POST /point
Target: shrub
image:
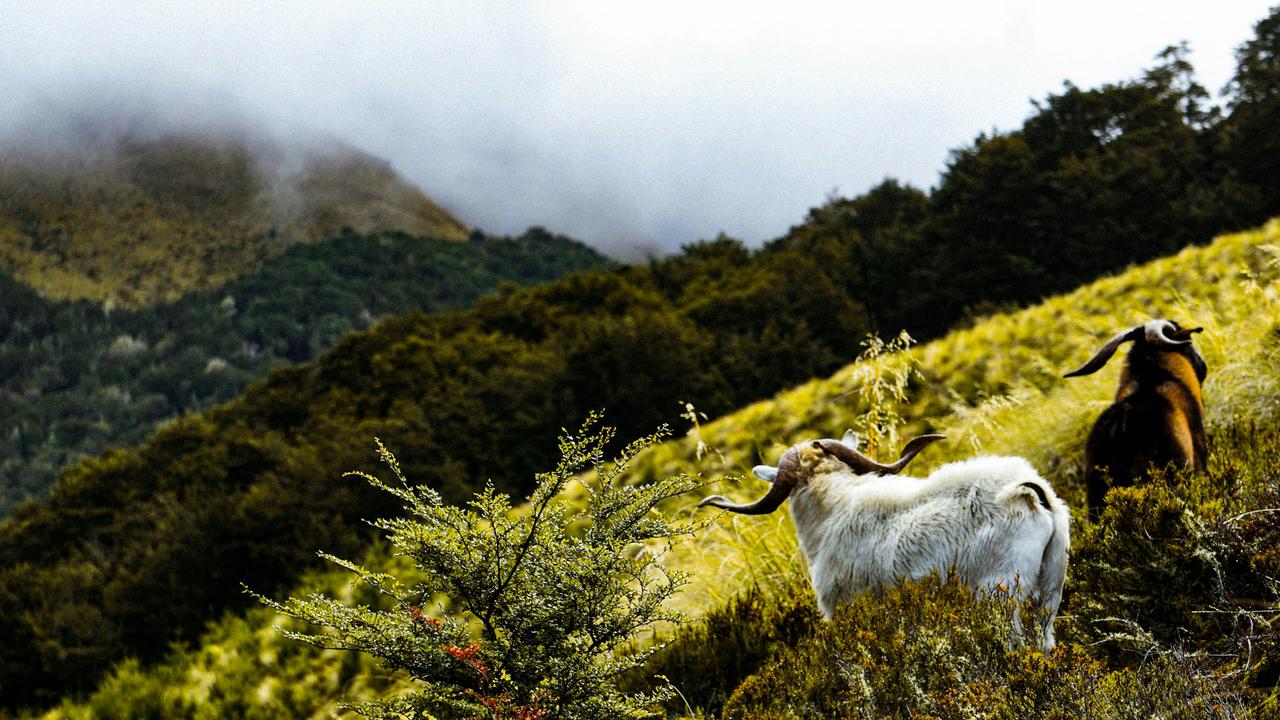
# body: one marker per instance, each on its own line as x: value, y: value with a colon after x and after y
x: 706, y: 660
x: 1069, y: 684
x: 883, y: 655
x: 935, y: 650
x: 544, y: 599
x: 1141, y: 572
x: 1186, y: 558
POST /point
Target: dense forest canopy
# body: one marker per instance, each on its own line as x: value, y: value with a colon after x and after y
x: 77, y: 378
x: 141, y: 547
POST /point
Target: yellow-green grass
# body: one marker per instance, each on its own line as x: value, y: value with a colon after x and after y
x: 995, y: 387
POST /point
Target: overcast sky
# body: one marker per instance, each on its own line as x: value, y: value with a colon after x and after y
x: 627, y: 125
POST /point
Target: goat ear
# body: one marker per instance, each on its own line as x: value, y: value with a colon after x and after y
x: 768, y: 473
x: 851, y: 439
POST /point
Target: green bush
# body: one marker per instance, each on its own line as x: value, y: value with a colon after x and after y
x: 1186, y: 558
x: 542, y: 600
x: 1141, y: 572
x: 1069, y: 684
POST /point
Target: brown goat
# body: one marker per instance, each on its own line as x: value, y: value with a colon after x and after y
x: 1158, y: 415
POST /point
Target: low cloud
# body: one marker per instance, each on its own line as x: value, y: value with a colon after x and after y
x: 635, y: 129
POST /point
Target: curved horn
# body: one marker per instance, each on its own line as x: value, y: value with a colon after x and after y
x: 1158, y: 334
x: 783, y: 483
x: 862, y: 464
x: 1104, y: 354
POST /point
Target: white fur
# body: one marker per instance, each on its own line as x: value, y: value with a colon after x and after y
x: 976, y: 517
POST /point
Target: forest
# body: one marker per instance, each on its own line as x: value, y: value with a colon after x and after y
x: 134, y: 553
x: 138, y: 368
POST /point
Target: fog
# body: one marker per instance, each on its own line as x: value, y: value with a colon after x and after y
x: 636, y: 127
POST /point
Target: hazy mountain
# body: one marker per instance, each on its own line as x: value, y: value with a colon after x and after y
x: 135, y: 211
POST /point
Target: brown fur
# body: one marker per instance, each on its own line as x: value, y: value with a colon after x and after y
x: 1157, y: 419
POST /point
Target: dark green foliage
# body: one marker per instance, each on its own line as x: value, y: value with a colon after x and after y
x: 149, y: 543
x: 1252, y: 145
x: 1094, y: 180
x: 75, y: 379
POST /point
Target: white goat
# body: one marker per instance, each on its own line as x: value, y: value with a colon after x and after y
x: 993, y: 520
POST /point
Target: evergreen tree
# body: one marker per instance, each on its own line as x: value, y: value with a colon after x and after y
x: 1251, y: 134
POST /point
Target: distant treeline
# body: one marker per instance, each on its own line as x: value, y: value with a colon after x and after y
x: 141, y: 547
x: 76, y: 378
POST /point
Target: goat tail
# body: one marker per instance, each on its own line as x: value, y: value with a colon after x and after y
x: 1035, y: 496
x: 1053, y: 566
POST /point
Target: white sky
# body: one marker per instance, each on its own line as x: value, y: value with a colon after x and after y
x: 627, y: 125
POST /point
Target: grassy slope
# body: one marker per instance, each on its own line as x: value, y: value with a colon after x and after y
x: 996, y: 387
x: 138, y: 219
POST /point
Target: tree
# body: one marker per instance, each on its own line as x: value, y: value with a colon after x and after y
x: 1252, y: 143
x: 545, y: 599
x: 1094, y: 180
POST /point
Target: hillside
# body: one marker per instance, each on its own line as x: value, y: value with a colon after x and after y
x: 995, y: 387
x: 76, y: 379
x: 146, y: 545
x: 135, y: 216
x: 154, y: 541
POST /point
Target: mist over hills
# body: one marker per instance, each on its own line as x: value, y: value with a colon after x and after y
x: 132, y: 208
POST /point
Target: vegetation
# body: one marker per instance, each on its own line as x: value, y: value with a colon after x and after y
x: 447, y: 388
x: 933, y: 650
x: 543, y: 598
x: 1178, y: 571
x: 141, y: 547
x: 1168, y: 597
x: 77, y: 378
x: 131, y: 217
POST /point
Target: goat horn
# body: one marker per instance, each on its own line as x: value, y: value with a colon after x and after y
x: 783, y: 483
x: 1157, y: 333
x: 1104, y: 354
x: 862, y: 464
